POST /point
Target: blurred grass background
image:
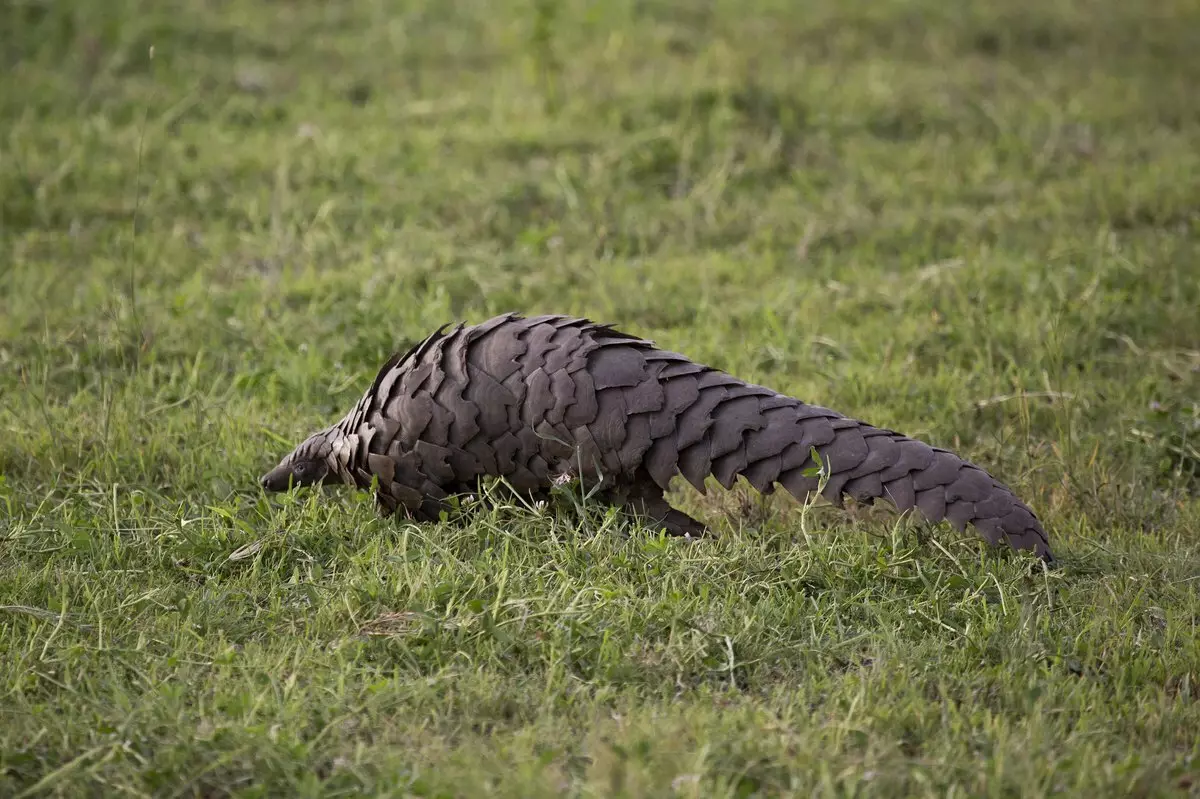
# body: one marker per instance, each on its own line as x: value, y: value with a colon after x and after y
x: 974, y: 222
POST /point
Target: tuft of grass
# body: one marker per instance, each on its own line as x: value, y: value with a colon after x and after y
x: 976, y: 224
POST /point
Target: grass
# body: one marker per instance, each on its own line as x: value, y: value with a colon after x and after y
x: 975, y: 222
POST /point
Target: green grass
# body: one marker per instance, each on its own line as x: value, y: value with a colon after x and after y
x: 973, y: 222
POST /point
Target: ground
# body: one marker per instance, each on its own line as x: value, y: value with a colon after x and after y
x: 972, y: 222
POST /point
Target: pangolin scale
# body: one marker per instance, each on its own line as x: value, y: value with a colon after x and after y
x: 535, y: 399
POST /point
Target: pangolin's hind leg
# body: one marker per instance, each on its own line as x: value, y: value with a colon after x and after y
x: 645, y: 500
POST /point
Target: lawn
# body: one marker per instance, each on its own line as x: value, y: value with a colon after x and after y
x: 976, y: 223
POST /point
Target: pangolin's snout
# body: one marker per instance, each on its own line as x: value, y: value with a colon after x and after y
x: 275, y: 480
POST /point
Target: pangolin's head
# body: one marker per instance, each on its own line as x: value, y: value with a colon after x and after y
x: 316, y: 460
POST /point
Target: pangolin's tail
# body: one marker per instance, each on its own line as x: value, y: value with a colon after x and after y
x: 713, y: 423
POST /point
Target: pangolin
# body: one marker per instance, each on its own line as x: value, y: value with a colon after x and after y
x: 539, y: 399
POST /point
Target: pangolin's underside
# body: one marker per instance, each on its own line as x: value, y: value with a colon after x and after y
x: 536, y: 399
